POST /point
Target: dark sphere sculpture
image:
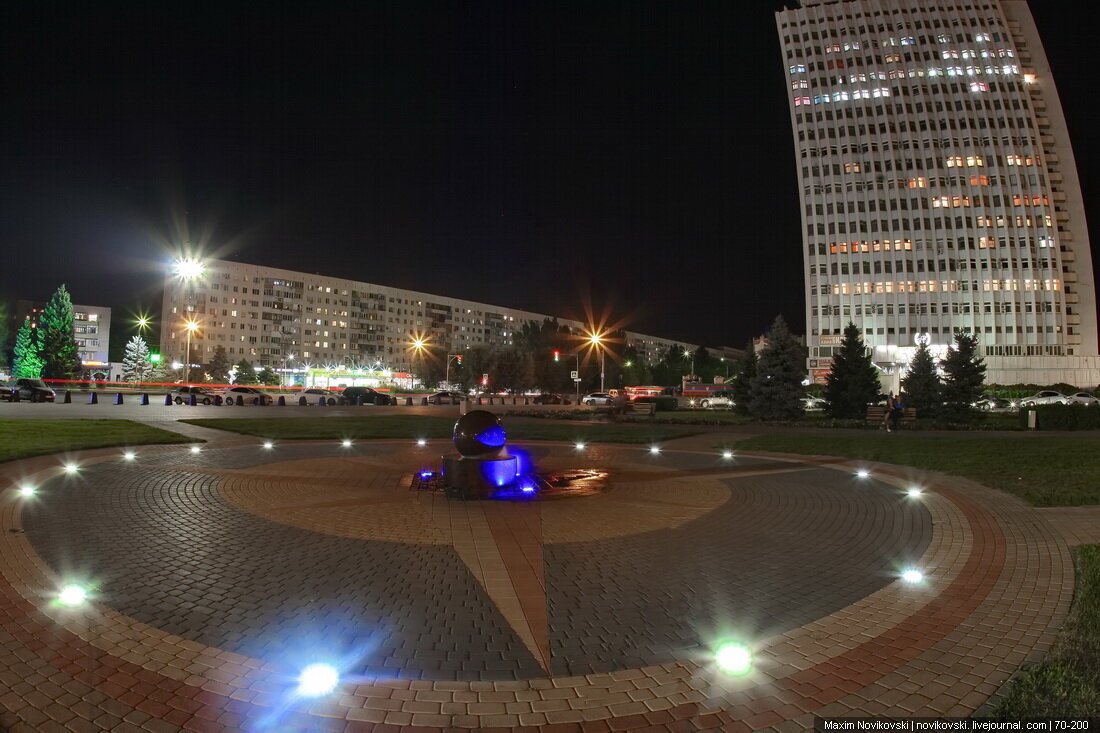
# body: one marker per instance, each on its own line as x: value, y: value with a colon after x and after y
x: 479, y: 433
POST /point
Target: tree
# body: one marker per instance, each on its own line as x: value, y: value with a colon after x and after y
x: 922, y: 385
x: 26, y: 361
x: 777, y: 386
x: 268, y: 377
x: 246, y: 374
x: 135, y: 362
x: 963, y: 375
x: 853, y: 380
x: 219, y: 366
x: 742, y: 380
x: 60, y: 357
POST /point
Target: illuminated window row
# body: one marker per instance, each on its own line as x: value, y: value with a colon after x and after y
x: 885, y: 245
x: 955, y: 202
x: 922, y: 309
x: 932, y: 286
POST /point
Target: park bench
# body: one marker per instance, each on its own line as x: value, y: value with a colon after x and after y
x: 875, y: 414
x: 640, y: 408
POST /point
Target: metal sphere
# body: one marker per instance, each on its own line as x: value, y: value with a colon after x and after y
x: 479, y: 433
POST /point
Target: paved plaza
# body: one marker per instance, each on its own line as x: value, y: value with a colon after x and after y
x: 215, y: 577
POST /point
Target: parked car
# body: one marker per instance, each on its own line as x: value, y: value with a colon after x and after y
x: 30, y: 390
x: 1045, y: 397
x: 248, y: 394
x: 547, y: 398
x: 203, y: 396
x: 992, y: 403
x: 445, y: 397
x: 813, y: 403
x: 1083, y: 398
x: 370, y: 396
x: 597, y: 398
x: 314, y: 394
x: 718, y: 399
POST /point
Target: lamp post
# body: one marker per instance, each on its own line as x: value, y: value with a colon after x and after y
x: 596, y: 339
x: 689, y: 355
x: 190, y: 325
x: 282, y: 380
x: 417, y: 344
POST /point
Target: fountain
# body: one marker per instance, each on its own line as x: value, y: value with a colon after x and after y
x: 483, y: 469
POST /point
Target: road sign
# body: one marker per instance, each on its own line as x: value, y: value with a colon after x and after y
x: 576, y: 379
x: 484, y: 376
x: 574, y: 375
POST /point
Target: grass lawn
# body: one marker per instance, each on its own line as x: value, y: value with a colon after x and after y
x: 1046, y: 470
x: 426, y: 426
x: 1067, y: 683
x: 23, y: 438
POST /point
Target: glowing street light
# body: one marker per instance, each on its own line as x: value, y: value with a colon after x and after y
x: 596, y: 339
x: 190, y: 325
x: 143, y: 322
x: 187, y: 268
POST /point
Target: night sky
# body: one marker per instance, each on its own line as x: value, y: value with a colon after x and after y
x: 631, y: 159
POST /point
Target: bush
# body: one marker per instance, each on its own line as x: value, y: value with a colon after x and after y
x: 1063, y: 417
x: 664, y: 404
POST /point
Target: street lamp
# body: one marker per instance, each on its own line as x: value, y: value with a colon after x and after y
x: 287, y: 358
x: 187, y: 268
x: 418, y: 344
x: 190, y: 325
x: 689, y: 355
x: 596, y: 339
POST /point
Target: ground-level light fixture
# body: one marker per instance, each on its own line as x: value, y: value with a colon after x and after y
x: 72, y: 595
x: 727, y: 454
x: 912, y: 576
x: 579, y: 445
x: 863, y: 473
x: 346, y: 442
x: 196, y: 449
x: 733, y: 658
x: 129, y: 455
x: 317, y: 680
x: 71, y: 468
x: 421, y: 442
x: 28, y: 490
x: 913, y: 492
x: 654, y: 449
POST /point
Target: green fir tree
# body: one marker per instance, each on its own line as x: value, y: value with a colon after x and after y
x: 246, y: 373
x: 777, y: 389
x: 135, y: 362
x: 852, y: 382
x: 922, y: 384
x: 963, y: 376
x: 742, y: 380
x: 26, y: 359
x: 268, y: 377
x: 60, y: 357
x: 219, y: 366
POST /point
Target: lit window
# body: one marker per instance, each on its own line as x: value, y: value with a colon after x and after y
x: 984, y: 37
x: 954, y: 71
x: 943, y: 38
x: 908, y: 41
x: 1029, y: 78
x: 892, y: 58
x: 918, y: 182
x: 955, y: 161
x: 973, y: 160
x: 800, y: 84
x: 880, y: 92
x: 851, y: 168
x: 799, y: 101
x: 952, y: 54
x: 979, y: 86
x: 798, y: 69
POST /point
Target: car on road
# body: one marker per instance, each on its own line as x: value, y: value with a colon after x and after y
x: 29, y: 390
x: 370, y: 396
x: 813, y: 403
x: 597, y: 398
x: 992, y: 403
x: 203, y: 395
x: 1083, y: 398
x: 723, y: 398
x: 314, y: 395
x: 1045, y: 397
x: 445, y: 397
x: 247, y: 394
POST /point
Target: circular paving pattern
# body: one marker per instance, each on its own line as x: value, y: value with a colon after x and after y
x: 221, y: 574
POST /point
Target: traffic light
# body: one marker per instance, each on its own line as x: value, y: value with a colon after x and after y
x: 557, y: 355
x: 459, y: 359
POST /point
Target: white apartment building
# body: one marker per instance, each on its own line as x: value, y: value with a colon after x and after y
x: 281, y: 318
x: 938, y: 186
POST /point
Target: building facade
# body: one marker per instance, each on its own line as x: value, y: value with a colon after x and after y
x: 91, y: 329
x: 938, y: 186
x: 285, y: 319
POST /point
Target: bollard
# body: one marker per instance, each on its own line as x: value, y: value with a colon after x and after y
x: 68, y: 397
x: 526, y: 401
x: 424, y: 401
x: 479, y: 400
x: 359, y: 401
x: 408, y: 401
x: 321, y: 401
x: 15, y: 395
x: 93, y: 399
x: 454, y: 400
x: 302, y: 402
x: 144, y: 398
x: 192, y: 400
x: 118, y: 399
x: 514, y: 400
x: 218, y: 400
x: 282, y: 401
x: 168, y: 400
x: 257, y: 401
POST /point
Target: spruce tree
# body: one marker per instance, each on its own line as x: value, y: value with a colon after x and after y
x: 964, y: 375
x: 267, y: 376
x: 26, y: 359
x: 922, y: 385
x: 246, y: 374
x: 60, y: 356
x: 777, y: 389
x: 742, y: 381
x: 219, y: 366
x: 135, y: 362
x: 852, y: 382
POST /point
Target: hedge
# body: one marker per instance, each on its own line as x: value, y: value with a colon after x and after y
x: 1063, y: 417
